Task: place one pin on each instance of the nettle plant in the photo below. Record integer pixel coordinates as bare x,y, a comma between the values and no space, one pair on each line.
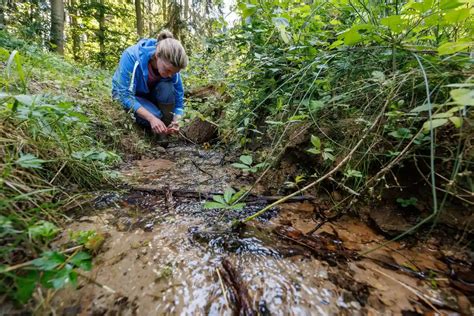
227,201
246,164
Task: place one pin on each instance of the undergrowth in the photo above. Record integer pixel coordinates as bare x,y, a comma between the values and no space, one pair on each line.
59,137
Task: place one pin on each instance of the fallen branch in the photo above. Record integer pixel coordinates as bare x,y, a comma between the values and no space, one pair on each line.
208,195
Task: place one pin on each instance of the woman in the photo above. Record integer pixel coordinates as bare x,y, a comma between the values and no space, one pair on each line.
147,82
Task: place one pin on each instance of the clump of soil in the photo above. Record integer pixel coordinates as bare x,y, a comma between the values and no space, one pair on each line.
199,131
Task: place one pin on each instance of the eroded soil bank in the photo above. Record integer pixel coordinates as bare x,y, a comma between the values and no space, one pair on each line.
165,254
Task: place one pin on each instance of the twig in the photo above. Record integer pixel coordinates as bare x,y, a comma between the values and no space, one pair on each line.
105,287
224,291
200,169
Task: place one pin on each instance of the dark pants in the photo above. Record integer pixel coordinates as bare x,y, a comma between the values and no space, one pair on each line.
160,102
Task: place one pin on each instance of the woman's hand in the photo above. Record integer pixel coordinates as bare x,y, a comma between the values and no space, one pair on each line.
173,127
157,126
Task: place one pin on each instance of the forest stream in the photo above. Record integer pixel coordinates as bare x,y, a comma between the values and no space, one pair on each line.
163,253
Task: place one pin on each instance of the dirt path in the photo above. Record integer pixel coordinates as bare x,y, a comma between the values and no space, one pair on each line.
163,252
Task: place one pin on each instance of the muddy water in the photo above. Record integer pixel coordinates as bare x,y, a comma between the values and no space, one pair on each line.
163,252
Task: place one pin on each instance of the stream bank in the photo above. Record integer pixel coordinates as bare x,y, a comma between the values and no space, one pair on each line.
165,254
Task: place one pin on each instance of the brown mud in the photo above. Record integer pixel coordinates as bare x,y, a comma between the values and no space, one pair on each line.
166,255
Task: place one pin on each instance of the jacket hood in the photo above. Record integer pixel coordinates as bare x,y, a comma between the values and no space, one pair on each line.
143,51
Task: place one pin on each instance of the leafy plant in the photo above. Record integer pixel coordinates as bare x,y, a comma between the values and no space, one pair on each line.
226,201
326,152
407,202
246,164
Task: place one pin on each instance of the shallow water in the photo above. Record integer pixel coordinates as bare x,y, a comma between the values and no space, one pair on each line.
163,252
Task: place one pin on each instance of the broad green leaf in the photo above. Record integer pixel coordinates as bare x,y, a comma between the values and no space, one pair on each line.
314,151
463,96
352,37
453,47
394,22
351,173
228,194
246,159
456,16
378,75
218,199
434,124
212,205
27,99
82,260
328,156
336,44
316,142
49,260
456,120
30,161
25,285
449,4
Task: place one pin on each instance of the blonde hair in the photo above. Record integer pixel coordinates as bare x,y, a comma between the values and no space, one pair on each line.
171,50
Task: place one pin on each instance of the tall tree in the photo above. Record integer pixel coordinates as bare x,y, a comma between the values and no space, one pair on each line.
139,17
57,26
76,40
101,33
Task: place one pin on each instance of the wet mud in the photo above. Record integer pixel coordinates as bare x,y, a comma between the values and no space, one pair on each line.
164,254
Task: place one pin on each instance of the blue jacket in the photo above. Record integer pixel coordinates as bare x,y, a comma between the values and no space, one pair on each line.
131,77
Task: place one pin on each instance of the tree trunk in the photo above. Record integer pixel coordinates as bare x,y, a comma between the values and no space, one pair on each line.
139,17
101,33
57,26
186,10
150,23
76,40
164,7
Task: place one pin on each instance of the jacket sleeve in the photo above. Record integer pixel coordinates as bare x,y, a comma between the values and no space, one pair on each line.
124,82
179,95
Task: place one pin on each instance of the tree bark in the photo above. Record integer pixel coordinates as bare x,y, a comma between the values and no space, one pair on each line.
186,10
164,7
139,17
57,26
101,33
76,40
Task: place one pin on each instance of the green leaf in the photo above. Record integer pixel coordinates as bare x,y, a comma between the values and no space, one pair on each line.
228,194
218,199
435,123
43,229
314,151
352,37
449,4
25,285
212,205
237,195
240,166
246,159
328,156
463,96
394,22
30,161
457,121
456,16
237,206
82,260
49,260
453,47
442,115
316,142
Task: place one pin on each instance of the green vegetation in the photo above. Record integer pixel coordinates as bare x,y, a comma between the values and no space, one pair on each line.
58,141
